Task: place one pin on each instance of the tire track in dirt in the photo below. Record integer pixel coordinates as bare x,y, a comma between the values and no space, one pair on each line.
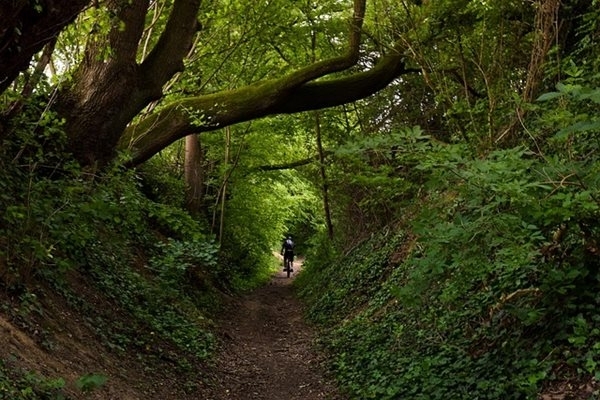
267,350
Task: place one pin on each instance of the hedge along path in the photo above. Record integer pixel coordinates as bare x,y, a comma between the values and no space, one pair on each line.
267,350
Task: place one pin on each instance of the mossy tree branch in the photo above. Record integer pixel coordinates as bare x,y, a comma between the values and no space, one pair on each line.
297,92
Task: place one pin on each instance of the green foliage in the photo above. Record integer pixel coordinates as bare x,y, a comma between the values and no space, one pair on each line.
476,40
334,278
175,222
174,261
25,385
244,41
494,287
261,206
160,181
89,382
382,178
160,307
54,223
576,114
460,269
60,221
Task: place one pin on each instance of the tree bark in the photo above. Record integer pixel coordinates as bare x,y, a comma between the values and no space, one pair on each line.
27,27
194,174
545,24
108,92
276,96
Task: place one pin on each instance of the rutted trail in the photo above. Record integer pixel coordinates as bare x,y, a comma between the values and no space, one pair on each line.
267,351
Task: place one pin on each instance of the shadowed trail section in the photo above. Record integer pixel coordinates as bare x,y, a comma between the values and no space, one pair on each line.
267,350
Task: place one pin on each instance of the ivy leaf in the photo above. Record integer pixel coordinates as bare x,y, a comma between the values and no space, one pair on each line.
549,96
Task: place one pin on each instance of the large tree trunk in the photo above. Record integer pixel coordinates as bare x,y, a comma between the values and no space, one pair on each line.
108,92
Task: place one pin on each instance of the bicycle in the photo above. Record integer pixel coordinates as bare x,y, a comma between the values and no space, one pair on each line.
288,265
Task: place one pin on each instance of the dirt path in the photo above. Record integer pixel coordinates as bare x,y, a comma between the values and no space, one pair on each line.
268,351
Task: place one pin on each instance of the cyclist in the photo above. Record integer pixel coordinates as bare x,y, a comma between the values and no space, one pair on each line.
287,251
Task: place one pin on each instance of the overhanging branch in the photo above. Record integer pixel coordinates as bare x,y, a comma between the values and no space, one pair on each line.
290,165
296,92
251,102
166,58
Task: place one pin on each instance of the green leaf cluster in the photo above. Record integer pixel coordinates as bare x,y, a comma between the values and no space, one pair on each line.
482,295
27,385
59,222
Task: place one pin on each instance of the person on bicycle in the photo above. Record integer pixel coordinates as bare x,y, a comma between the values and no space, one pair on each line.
287,251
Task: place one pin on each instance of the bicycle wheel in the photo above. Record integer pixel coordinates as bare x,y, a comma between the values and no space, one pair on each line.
288,267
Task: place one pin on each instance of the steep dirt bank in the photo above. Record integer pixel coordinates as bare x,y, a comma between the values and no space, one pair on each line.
45,341
265,350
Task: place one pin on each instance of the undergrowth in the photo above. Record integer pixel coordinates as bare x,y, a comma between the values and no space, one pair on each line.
111,235
488,291
153,264
16,384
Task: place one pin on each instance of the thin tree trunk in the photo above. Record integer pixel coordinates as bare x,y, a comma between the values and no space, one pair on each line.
546,31
32,80
325,184
194,174
230,166
222,192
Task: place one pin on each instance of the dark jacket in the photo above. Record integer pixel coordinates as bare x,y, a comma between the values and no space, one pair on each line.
287,248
